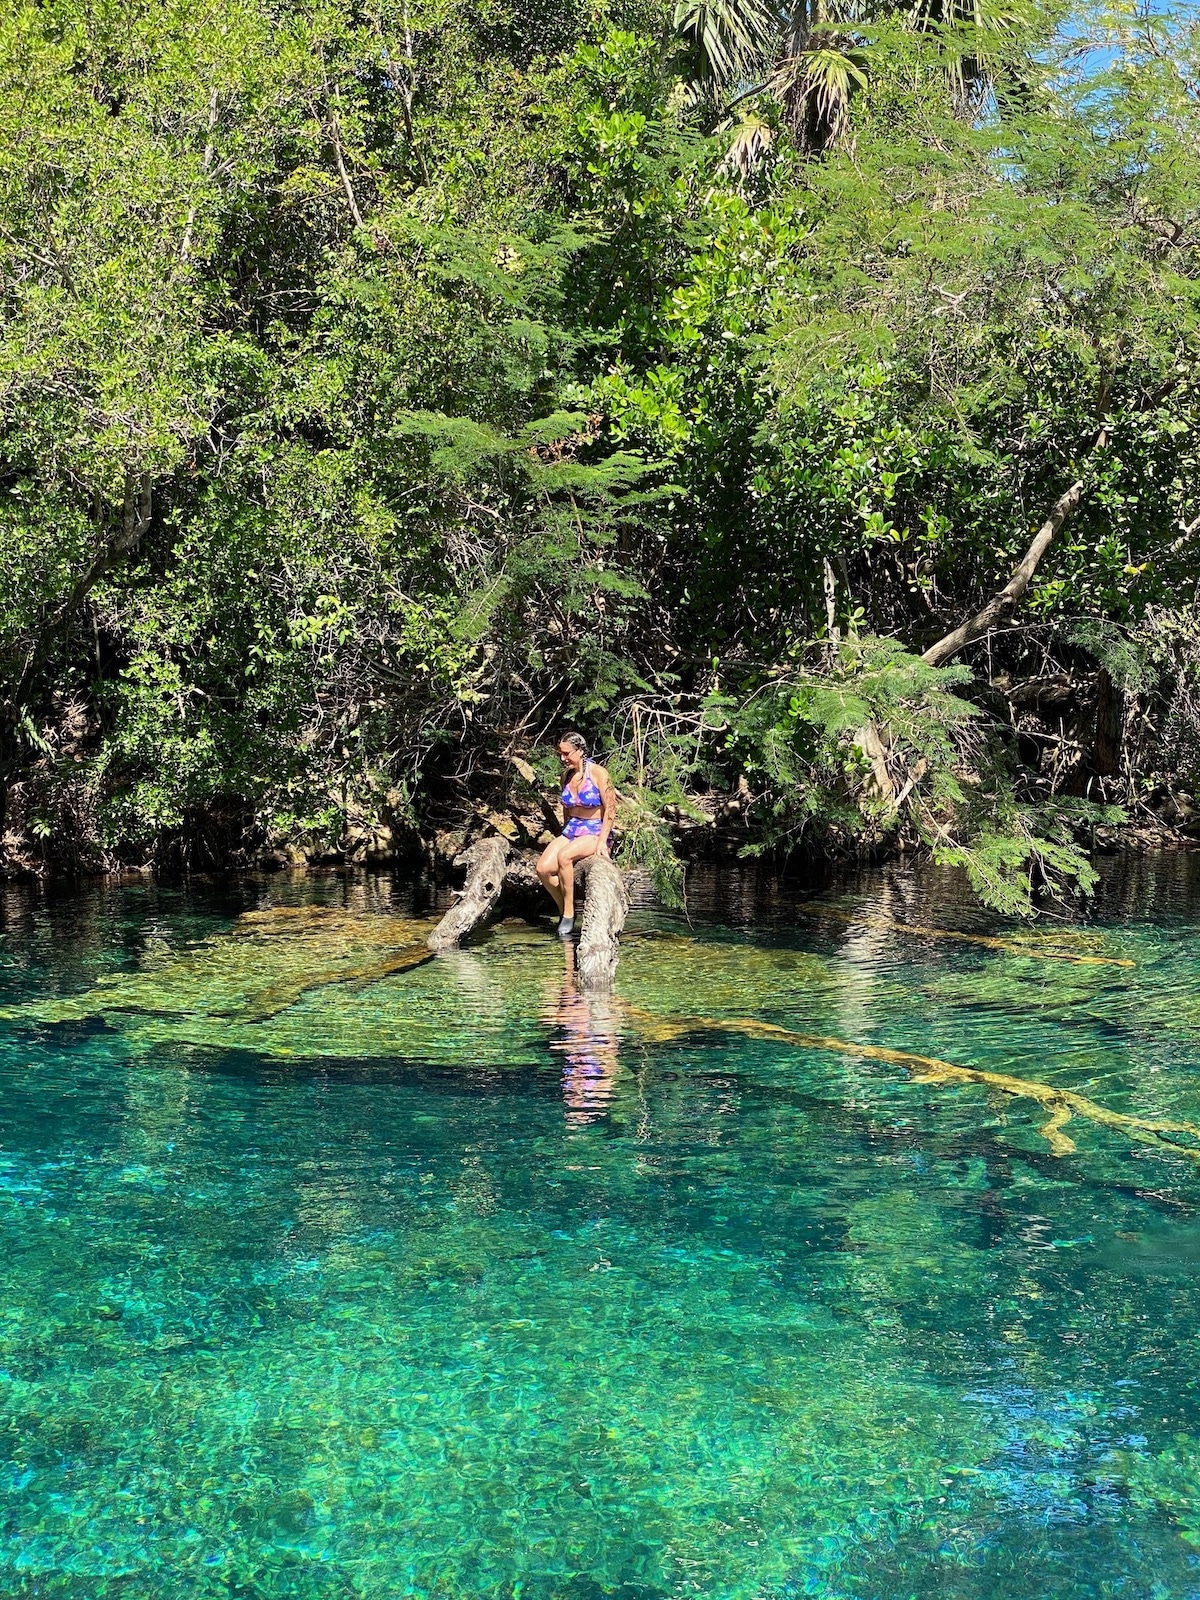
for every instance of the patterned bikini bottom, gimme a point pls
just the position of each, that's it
(580, 827)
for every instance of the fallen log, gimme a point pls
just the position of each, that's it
(485, 862)
(494, 868)
(520, 877)
(605, 907)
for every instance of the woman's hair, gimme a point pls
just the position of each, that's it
(575, 740)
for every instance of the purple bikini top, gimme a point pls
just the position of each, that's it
(589, 794)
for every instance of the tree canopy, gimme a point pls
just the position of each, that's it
(381, 386)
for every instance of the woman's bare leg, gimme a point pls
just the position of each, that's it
(577, 850)
(549, 872)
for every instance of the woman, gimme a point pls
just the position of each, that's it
(589, 804)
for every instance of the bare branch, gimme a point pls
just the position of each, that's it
(205, 164)
(951, 643)
(343, 174)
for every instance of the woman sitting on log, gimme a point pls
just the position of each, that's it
(589, 803)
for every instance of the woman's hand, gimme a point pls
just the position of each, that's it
(602, 848)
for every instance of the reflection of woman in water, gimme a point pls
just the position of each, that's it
(588, 1048)
(589, 803)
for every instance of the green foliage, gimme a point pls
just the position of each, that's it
(1011, 851)
(927, 769)
(646, 843)
(363, 486)
(800, 737)
(378, 386)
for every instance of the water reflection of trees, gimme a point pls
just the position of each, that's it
(1154, 883)
(63, 933)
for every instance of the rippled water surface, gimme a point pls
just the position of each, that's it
(333, 1272)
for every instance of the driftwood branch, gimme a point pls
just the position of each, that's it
(874, 746)
(1062, 1104)
(1014, 946)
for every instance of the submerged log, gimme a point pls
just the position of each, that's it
(266, 1003)
(605, 907)
(1062, 1104)
(485, 862)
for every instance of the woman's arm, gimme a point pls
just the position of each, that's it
(608, 803)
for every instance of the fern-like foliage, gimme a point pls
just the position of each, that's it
(865, 746)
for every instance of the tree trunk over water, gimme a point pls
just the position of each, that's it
(948, 647)
(605, 907)
(485, 862)
(493, 867)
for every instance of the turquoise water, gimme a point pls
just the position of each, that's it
(448, 1282)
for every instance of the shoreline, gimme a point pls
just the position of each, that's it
(707, 845)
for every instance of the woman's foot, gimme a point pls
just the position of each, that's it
(566, 927)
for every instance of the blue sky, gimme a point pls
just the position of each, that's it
(1099, 56)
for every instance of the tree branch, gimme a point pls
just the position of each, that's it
(206, 162)
(345, 176)
(1063, 508)
(332, 99)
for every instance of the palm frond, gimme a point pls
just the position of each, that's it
(972, 35)
(811, 54)
(730, 39)
(814, 88)
(751, 141)
(983, 16)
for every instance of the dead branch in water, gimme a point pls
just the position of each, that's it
(1062, 1104)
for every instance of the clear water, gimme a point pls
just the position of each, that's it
(324, 1281)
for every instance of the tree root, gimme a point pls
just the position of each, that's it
(990, 943)
(1062, 1104)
